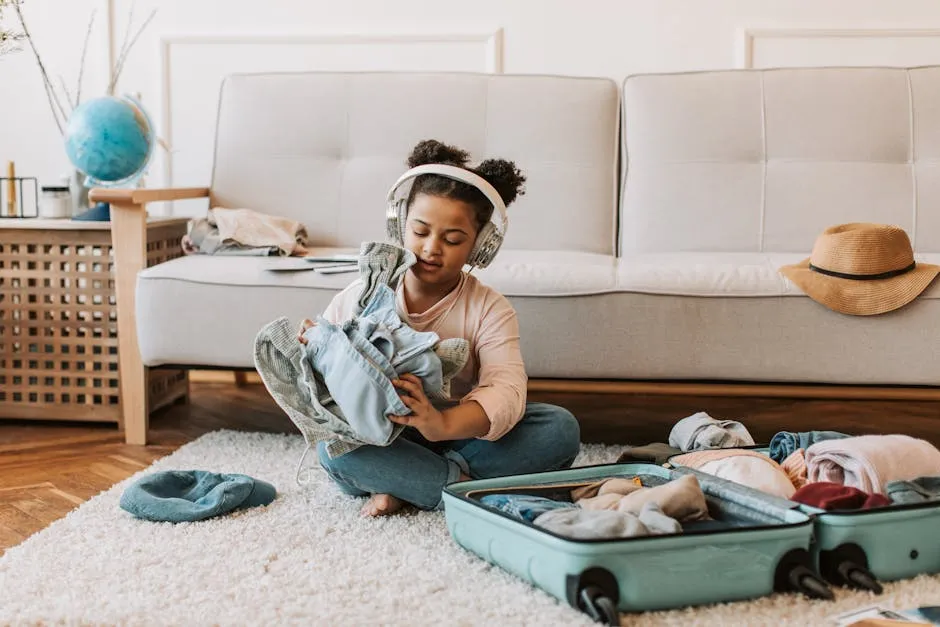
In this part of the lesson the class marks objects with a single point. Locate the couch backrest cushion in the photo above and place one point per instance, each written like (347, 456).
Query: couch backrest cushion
(763, 160)
(323, 148)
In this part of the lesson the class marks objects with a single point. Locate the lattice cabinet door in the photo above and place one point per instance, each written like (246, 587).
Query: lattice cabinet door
(58, 320)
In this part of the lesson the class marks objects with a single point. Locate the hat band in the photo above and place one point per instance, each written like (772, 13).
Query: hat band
(864, 277)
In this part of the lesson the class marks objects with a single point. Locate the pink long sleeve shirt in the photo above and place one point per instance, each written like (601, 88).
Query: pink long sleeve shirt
(495, 374)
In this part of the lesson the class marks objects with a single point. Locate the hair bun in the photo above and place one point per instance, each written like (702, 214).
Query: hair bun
(504, 176)
(433, 151)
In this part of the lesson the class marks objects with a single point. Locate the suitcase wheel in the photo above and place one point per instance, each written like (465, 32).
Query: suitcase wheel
(599, 607)
(795, 575)
(596, 593)
(847, 565)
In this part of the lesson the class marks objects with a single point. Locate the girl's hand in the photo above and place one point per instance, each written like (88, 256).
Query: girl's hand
(424, 417)
(306, 324)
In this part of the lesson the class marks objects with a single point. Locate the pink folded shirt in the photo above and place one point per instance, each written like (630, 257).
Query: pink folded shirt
(742, 466)
(868, 462)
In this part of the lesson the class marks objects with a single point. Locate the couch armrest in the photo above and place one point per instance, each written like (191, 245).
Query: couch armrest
(129, 246)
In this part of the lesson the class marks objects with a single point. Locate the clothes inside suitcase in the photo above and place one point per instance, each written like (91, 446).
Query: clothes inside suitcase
(861, 548)
(754, 545)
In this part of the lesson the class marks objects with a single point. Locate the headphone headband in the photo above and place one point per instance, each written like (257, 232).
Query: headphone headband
(460, 174)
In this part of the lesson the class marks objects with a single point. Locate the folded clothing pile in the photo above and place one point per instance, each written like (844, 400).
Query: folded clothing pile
(700, 431)
(697, 432)
(836, 472)
(244, 232)
(743, 466)
(891, 469)
(616, 507)
(825, 469)
(869, 462)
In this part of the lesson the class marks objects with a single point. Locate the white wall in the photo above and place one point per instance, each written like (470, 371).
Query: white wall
(177, 64)
(28, 134)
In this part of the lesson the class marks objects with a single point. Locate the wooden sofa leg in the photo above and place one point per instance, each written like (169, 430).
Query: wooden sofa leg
(129, 244)
(134, 404)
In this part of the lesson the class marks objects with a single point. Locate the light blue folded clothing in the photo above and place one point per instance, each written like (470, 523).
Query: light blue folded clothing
(359, 359)
(785, 443)
(917, 490)
(524, 506)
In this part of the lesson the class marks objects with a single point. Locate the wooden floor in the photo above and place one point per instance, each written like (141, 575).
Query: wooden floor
(48, 468)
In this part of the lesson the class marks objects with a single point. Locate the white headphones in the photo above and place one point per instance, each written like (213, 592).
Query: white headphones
(489, 239)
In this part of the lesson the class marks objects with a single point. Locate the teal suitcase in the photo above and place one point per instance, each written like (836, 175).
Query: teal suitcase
(861, 548)
(757, 545)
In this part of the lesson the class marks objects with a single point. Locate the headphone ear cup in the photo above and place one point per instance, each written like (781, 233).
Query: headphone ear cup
(395, 215)
(391, 221)
(487, 245)
(402, 220)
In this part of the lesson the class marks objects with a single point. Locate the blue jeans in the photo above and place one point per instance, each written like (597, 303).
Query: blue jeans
(415, 470)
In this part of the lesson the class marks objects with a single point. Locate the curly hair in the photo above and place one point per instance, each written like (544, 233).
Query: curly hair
(503, 175)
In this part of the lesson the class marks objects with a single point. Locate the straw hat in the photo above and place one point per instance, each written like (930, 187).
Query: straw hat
(862, 269)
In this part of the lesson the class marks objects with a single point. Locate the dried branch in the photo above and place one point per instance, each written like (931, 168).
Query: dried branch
(81, 65)
(54, 103)
(68, 96)
(127, 30)
(50, 96)
(119, 66)
(8, 39)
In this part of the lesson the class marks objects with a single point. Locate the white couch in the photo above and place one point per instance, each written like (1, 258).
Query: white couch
(645, 249)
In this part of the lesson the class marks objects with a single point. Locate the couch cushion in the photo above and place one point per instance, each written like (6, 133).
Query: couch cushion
(550, 273)
(671, 316)
(629, 335)
(744, 275)
(764, 160)
(206, 310)
(324, 147)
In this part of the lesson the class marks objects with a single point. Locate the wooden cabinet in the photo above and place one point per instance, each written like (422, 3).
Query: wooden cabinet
(58, 320)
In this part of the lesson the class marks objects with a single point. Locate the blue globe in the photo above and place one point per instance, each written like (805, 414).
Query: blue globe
(110, 139)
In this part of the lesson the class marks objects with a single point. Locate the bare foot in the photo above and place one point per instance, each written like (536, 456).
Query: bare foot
(381, 505)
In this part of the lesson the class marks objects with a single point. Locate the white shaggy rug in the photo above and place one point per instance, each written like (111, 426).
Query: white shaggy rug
(308, 558)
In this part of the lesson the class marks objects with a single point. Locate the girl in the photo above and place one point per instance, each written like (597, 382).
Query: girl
(492, 431)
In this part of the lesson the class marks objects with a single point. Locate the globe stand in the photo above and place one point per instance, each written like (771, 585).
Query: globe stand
(101, 212)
